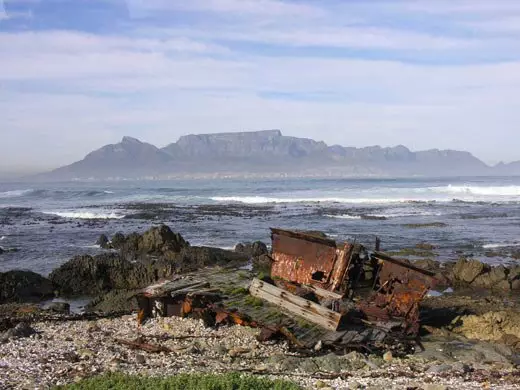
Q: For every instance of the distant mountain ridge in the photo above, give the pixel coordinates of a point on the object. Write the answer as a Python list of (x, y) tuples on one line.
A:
[(268, 153)]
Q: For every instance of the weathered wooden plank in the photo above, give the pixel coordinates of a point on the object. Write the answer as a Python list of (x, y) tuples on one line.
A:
[(311, 311), (322, 293)]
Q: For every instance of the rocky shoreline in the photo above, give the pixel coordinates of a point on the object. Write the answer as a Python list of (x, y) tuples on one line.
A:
[(471, 336)]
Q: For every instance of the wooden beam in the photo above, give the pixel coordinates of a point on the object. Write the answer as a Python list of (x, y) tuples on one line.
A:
[(311, 311), (322, 293)]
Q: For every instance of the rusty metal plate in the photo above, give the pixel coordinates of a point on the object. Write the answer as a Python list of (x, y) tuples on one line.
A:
[(402, 287), (308, 259)]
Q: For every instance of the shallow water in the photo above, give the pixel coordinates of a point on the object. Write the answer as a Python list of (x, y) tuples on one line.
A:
[(50, 223)]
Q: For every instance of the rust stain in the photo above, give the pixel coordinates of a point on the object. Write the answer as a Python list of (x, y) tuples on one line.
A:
[(308, 259), (401, 288)]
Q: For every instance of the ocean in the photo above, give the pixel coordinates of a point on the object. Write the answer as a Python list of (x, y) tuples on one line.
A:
[(50, 223)]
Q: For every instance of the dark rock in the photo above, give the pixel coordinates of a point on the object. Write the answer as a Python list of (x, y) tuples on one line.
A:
[(20, 330), (514, 273), (156, 241), (24, 286), (103, 242), (263, 264), (492, 278), (71, 357), (118, 240), (58, 307), (120, 301), (255, 249), (425, 246), (88, 275), (468, 270), (160, 240), (427, 264), (1, 250)]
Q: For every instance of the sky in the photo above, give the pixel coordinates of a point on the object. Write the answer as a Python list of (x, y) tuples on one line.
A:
[(78, 74)]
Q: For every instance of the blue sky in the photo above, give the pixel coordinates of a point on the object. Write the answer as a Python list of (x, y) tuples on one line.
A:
[(77, 74)]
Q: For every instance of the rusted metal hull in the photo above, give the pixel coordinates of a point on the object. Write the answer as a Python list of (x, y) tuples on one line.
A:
[(401, 288), (310, 260)]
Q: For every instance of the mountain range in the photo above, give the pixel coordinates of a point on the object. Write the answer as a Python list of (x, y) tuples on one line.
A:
[(268, 153)]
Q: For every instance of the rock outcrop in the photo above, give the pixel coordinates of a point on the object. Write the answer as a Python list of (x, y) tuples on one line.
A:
[(473, 273), (476, 274), (503, 326), (143, 259), (24, 286), (254, 249)]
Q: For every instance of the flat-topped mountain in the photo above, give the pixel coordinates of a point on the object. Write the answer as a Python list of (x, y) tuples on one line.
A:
[(267, 153)]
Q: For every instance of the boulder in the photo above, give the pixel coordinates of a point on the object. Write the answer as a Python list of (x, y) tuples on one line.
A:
[(468, 270), (255, 249), (514, 273), (490, 326), (160, 240), (22, 329), (103, 242), (492, 279), (58, 307), (118, 240), (427, 264), (24, 286), (93, 275), (156, 241)]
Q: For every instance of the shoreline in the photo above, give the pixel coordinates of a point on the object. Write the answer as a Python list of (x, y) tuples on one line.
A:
[(470, 337)]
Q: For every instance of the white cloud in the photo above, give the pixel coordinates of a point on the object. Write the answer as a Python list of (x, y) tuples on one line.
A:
[(504, 25), (385, 102), (64, 93), (263, 8), (468, 7)]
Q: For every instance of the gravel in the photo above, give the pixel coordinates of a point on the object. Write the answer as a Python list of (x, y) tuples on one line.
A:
[(63, 352)]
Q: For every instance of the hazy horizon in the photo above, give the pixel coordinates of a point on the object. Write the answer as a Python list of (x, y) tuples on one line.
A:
[(77, 75)]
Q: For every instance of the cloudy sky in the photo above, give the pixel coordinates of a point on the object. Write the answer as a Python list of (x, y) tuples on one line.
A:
[(78, 74)]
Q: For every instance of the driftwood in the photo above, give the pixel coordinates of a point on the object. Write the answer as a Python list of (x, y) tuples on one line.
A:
[(143, 346)]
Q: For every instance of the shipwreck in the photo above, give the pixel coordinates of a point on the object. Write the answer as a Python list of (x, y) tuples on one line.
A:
[(329, 295)]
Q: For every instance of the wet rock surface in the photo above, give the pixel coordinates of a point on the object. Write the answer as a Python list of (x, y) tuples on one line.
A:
[(142, 259), (24, 286), (473, 273), (21, 330)]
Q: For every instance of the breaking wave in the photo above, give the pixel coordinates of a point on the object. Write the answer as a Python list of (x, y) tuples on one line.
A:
[(85, 214), (343, 216), (497, 191), (495, 246), (15, 193), (262, 199)]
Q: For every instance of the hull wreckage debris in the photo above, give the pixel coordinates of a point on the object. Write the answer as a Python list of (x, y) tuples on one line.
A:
[(320, 295)]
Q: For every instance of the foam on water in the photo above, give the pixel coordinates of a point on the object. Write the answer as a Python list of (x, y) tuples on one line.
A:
[(503, 245), (85, 214), (489, 191), (343, 216), (14, 193), (263, 199)]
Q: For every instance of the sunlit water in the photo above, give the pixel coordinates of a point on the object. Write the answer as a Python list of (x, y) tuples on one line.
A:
[(50, 223)]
